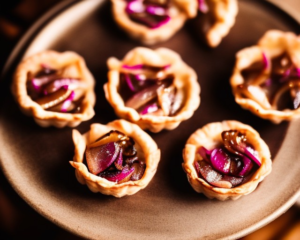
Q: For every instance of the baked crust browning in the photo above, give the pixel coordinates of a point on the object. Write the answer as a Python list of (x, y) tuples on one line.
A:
[(224, 12), (273, 44), (185, 79), (31, 66), (142, 33), (147, 151), (209, 137)]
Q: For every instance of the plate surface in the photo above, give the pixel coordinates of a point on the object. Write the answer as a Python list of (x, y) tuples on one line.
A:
[(35, 160)]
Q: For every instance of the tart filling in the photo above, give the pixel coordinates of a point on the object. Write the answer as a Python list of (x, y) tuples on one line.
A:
[(150, 21), (229, 164), (117, 159), (114, 157), (57, 89), (152, 88), (226, 160), (55, 93), (266, 78), (150, 13)]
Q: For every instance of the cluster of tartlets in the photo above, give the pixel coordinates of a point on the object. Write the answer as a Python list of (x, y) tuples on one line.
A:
[(155, 90)]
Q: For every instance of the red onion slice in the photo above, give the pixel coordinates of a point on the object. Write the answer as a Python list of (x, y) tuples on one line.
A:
[(202, 6), (247, 166), (135, 7), (129, 83), (156, 10), (141, 98), (266, 61), (100, 158), (58, 83), (207, 172), (164, 21), (118, 176), (146, 67), (220, 160), (55, 98), (204, 153), (252, 154), (151, 108)]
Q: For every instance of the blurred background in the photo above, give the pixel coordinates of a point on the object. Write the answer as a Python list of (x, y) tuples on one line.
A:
[(20, 221)]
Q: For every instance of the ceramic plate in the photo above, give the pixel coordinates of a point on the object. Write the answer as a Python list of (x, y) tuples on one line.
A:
[(35, 160)]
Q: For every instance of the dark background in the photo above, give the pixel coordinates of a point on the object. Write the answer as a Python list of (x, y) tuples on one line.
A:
[(20, 221)]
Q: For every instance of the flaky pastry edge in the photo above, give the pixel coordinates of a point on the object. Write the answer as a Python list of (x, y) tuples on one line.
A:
[(225, 12), (56, 60), (209, 136), (185, 77), (144, 34), (273, 43), (143, 142)]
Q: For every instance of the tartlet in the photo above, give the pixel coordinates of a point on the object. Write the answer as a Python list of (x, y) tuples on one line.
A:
[(216, 18), (146, 152), (152, 88), (219, 173), (55, 88), (152, 21), (266, 77)]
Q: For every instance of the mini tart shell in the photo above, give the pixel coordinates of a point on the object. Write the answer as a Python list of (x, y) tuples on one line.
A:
[(273, 43), (224, 12), (55, 60), (185, 78), (144, 144), (209, 137), (144, 34)]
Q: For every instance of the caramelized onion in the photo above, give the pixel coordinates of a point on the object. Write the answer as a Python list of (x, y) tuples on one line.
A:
[(55, 98), (119, 161), (100, 158), (139, 169), (287, 87), (235, 142), (151, 108), (118, 176), (58, 83)]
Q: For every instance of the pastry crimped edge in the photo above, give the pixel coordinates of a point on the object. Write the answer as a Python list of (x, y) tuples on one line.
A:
[(56, 60), (185, 77), (273, 43), (209, 136), (225, 12), (143, 142), (143, 33)]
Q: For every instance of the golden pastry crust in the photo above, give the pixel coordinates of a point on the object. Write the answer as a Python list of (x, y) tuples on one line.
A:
[(272, 44), (144, 34), (188, 6), (185, 79), (56, 60), (224, 12), (209, 137), (147, 152)]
